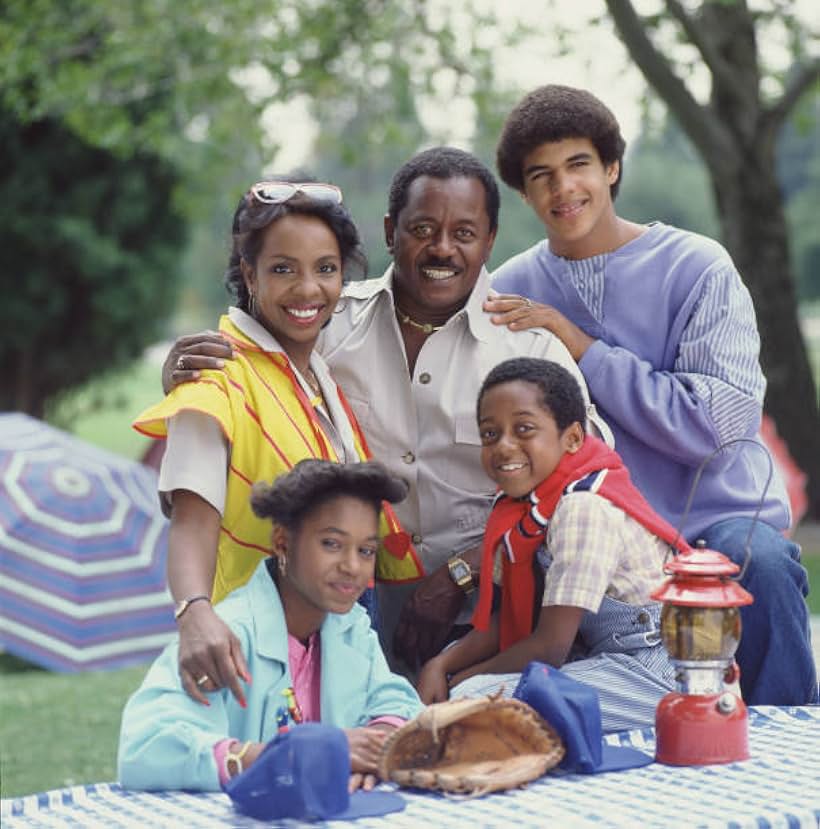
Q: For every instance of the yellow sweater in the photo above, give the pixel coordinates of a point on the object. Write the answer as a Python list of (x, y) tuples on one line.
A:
[(270, 426)]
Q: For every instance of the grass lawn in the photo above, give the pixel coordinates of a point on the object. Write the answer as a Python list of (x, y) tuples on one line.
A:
[(59, 729)]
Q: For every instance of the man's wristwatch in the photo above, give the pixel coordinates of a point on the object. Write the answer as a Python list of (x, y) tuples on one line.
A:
[(186, 603), (460, 573)]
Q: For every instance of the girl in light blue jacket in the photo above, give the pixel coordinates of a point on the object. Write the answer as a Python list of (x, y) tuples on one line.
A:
[(309, 646)]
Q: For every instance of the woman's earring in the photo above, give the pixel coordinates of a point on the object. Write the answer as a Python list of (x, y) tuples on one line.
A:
[(283, 565), (252, 305)]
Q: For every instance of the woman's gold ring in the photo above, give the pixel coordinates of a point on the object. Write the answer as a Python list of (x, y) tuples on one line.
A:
[(181, 367), (203, 679)]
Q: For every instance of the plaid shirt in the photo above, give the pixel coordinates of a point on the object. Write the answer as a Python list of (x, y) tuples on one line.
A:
[(595, 549)]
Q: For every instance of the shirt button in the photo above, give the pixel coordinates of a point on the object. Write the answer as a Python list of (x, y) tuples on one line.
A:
[(643, 617), (416, 538), (408, 457), (424, 377)]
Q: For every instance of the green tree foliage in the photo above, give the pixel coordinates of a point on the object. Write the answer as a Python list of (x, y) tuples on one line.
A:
[(120, 124), (371, 100), (159, 73), (130, 77), (190, 80), (87, 243)]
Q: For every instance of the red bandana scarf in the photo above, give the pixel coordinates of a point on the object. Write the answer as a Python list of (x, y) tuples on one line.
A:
[(521, 525)]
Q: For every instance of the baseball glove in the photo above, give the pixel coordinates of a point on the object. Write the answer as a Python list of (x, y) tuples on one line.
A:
[(471, 747)]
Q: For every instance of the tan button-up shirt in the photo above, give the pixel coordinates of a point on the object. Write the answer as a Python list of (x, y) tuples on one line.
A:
[(423, 428)]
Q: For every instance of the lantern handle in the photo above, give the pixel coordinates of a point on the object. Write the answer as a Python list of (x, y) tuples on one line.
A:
[(748, 545)]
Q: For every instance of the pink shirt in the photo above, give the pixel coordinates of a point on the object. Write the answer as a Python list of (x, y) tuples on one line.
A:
[(306, 673)]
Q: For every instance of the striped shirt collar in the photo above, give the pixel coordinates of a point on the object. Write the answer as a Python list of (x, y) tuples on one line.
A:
[(253, 329)]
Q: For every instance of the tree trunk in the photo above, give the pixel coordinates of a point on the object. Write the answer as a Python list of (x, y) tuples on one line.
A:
[(26, 396), (750, 206)]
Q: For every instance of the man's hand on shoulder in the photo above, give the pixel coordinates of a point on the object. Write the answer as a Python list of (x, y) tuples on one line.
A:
[(519, 313), (191, 354)]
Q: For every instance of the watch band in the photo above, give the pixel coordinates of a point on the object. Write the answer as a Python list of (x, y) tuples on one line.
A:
[(186, 603)]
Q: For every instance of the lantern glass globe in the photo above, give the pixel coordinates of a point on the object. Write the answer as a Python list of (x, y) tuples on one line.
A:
[(698, 634)]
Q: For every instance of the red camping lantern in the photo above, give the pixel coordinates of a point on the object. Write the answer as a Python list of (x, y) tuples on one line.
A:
[(702, 722)]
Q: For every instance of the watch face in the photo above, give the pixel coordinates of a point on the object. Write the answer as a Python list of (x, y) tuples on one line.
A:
[(460, 571)]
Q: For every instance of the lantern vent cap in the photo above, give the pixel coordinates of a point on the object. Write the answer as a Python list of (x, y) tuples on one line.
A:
[(700, 561)]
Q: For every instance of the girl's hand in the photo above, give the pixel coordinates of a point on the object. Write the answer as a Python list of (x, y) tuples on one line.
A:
[(365, 748), (209, 648), (361, 781), (432, 683)]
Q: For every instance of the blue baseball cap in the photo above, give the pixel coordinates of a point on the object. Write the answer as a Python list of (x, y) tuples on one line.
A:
[(303, 773), (574, 711)]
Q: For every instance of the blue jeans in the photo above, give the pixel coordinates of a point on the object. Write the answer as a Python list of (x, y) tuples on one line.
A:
[(775, 656)]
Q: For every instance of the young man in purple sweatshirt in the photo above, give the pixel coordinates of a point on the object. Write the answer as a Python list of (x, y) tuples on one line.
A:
[(664, 332)]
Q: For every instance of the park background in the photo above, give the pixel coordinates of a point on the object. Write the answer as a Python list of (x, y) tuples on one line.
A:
[(129, 130)]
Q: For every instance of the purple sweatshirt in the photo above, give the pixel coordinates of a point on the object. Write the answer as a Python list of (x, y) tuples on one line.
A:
[(674, 368)]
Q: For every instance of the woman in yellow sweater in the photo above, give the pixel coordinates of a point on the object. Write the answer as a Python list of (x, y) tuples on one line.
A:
[(270, 407)]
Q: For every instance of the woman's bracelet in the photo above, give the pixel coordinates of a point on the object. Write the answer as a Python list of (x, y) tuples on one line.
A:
[(236, 757)]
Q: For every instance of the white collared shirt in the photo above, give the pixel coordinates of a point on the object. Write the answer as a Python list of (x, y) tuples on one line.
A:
[(423, 428)]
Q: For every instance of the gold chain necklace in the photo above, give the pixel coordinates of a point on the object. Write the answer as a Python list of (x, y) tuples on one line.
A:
[(406, 319), (313, 381)]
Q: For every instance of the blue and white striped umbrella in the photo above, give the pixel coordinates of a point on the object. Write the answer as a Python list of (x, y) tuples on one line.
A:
[(83, 546)]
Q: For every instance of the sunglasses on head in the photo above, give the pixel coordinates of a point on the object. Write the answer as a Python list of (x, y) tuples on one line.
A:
[(276, 192)]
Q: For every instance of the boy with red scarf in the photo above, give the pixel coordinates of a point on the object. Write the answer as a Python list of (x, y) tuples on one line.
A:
[(566, 515)]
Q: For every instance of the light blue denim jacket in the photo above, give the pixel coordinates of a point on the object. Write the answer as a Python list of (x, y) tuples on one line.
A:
[(167, 739)]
